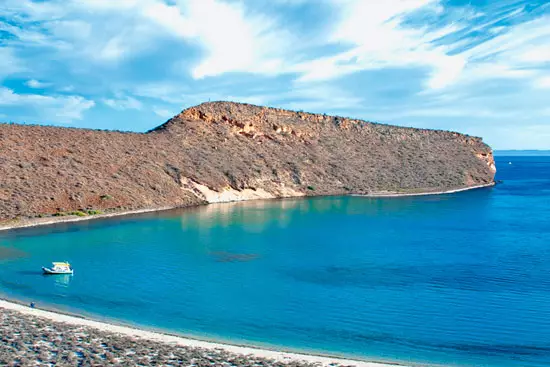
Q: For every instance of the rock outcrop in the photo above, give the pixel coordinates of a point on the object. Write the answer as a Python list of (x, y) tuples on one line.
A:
[(224, 151)]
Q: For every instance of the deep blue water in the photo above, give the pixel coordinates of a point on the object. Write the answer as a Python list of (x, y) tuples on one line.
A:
[(462, 279)]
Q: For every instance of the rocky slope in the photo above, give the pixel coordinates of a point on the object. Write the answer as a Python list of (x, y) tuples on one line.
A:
[(223, 151)]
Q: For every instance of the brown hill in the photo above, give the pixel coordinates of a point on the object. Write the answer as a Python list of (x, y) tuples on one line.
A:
[(223, 151)]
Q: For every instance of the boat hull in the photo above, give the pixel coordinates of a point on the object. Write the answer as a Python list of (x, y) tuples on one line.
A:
[(49, 271)]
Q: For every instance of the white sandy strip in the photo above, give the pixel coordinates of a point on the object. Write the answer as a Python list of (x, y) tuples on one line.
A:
[(391, 195), (285, 357)]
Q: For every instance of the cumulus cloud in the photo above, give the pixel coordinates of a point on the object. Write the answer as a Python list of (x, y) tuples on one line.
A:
[(62, 109), (379, 39), (232, 39)]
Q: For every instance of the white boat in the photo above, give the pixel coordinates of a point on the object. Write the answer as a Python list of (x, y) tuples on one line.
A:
[(58, 268)]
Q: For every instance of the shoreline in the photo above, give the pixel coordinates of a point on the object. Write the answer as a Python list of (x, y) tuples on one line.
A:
[(428, 193), (37, 222), (138, 334)]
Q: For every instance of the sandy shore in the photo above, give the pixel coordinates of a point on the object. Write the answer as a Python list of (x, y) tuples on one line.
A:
[(32, 336), (397, 194), (34, 222)]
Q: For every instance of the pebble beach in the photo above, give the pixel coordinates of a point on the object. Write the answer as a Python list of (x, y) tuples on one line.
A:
[(34, 337)]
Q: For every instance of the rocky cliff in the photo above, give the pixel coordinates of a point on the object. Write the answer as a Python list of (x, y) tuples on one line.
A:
[(224, 151)]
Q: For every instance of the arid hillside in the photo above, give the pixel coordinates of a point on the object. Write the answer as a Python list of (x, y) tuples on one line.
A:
[(224, 151)]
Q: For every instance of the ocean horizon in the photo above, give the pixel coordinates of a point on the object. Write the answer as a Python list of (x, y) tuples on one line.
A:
[(521, 153), (455, 279)]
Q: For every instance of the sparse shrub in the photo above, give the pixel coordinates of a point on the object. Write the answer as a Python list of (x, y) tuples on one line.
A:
[(59, 214), (311, 188), (78, 213), (94, 212), (106, 197)]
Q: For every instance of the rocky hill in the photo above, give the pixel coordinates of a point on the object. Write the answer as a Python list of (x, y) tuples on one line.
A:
[(224, 151)]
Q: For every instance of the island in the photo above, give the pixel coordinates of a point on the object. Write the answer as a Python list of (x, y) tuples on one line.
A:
[(225, 151)]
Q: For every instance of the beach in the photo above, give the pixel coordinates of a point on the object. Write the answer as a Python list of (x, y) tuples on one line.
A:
[(31, 336)]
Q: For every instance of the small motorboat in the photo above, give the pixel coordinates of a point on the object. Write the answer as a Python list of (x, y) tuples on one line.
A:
[(58, 268)]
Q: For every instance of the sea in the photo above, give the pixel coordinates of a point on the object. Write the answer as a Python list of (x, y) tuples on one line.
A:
[(459, 279)]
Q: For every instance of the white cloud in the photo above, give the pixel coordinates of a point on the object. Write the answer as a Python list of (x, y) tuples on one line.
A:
[(520, 52), (373, 25), (235, 39), (378, 39), (113, 49), (121, 104), (62, 109), (232, 39), (542, 82), (171, 18), (536, 54), (9, 63), (91, 30), (35, 84), (30, 35), (523, 42)]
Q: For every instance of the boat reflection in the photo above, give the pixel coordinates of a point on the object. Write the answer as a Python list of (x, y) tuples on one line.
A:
[(62, 281)]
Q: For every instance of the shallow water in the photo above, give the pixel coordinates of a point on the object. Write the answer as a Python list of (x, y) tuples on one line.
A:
[(461, 279)]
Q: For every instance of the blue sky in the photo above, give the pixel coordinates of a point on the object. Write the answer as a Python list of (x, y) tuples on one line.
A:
[(479, 67)]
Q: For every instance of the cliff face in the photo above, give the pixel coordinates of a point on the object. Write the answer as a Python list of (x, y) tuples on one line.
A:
[(225, 151)]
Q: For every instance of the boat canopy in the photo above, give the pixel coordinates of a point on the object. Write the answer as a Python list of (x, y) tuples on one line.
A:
[(61, 264)]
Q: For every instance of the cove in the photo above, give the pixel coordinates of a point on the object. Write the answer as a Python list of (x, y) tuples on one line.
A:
[(458, 279)]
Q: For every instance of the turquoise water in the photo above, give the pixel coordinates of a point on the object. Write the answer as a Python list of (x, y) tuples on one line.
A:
[(462, 279)]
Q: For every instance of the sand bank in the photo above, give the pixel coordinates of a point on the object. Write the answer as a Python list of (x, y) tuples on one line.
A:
[(389, 194)]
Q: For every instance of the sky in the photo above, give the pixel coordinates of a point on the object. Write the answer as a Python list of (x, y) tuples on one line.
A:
[(481, 67)]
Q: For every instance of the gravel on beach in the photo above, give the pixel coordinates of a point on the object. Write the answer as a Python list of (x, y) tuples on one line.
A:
[(35, 341)]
